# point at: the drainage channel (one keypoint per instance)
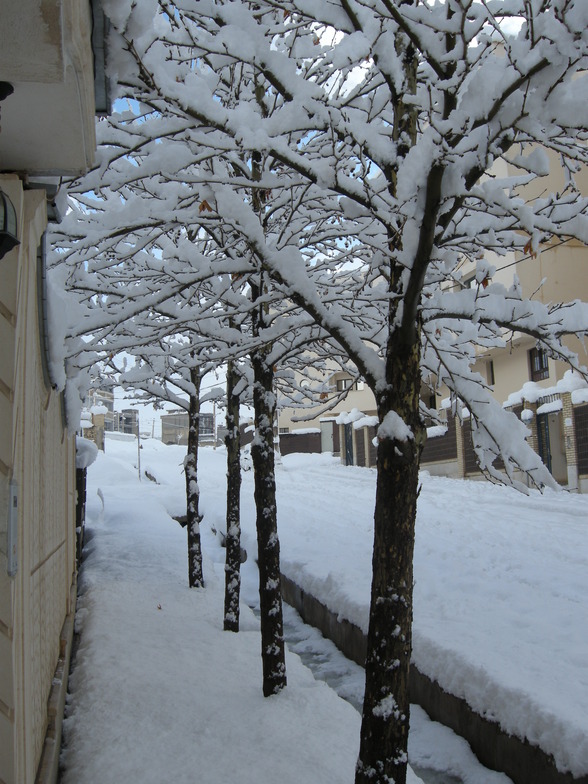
(438, 756)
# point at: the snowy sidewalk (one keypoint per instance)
(160, 692)
(164, 694)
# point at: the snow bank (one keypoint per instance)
(499, 609)
(86, 452)
(499, 584)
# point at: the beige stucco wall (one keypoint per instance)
(48, 124)
(39, 455)
(562, 267)
(362, 399)
(562, 272)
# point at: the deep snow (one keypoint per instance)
(159, 691)
(501, 581)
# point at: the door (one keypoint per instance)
(349, 444)
(557, 448)
(327, 436)
(543, 439)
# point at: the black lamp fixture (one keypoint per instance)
(8, 228)
(6, 89)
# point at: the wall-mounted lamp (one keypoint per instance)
(6, 89)
(8, 228)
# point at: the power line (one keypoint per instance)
(530, 256)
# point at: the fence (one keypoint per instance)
(558, 426)
(307, 441)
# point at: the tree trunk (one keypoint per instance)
(385, 722)
(268, 546)
(383, 751)
(195, 576)
(233, 538)
(262, 454)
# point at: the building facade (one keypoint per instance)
(47, 117)
(126, 421)
(104, 399)
(175, 426)
(538, 388)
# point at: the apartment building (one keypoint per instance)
(103, 400)
(175, 427)
(552, 401)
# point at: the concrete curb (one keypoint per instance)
(520, 760)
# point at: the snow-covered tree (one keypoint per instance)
(172, 268)
(391, 119)
(165, 367)
(164, 377)
(233, 516)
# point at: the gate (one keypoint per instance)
(581, 425)
(543, 444)
(327, 436)
(348, 444)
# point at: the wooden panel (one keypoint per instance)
(441, 448)
(336, 439)
(372, 448)
(470, 458)
(581, 427)
(360, 447)
(305, 442)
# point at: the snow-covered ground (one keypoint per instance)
(501, 580)
(160, 693)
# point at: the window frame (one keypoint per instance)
(343, 384)
(538, 364)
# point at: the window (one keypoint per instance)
(206, 427)
(349, 383)
(490, 373)
(539, 364)
(344, 383)
(284, 430)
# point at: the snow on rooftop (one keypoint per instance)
(531, 392)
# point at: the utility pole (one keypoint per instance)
(138, 449)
